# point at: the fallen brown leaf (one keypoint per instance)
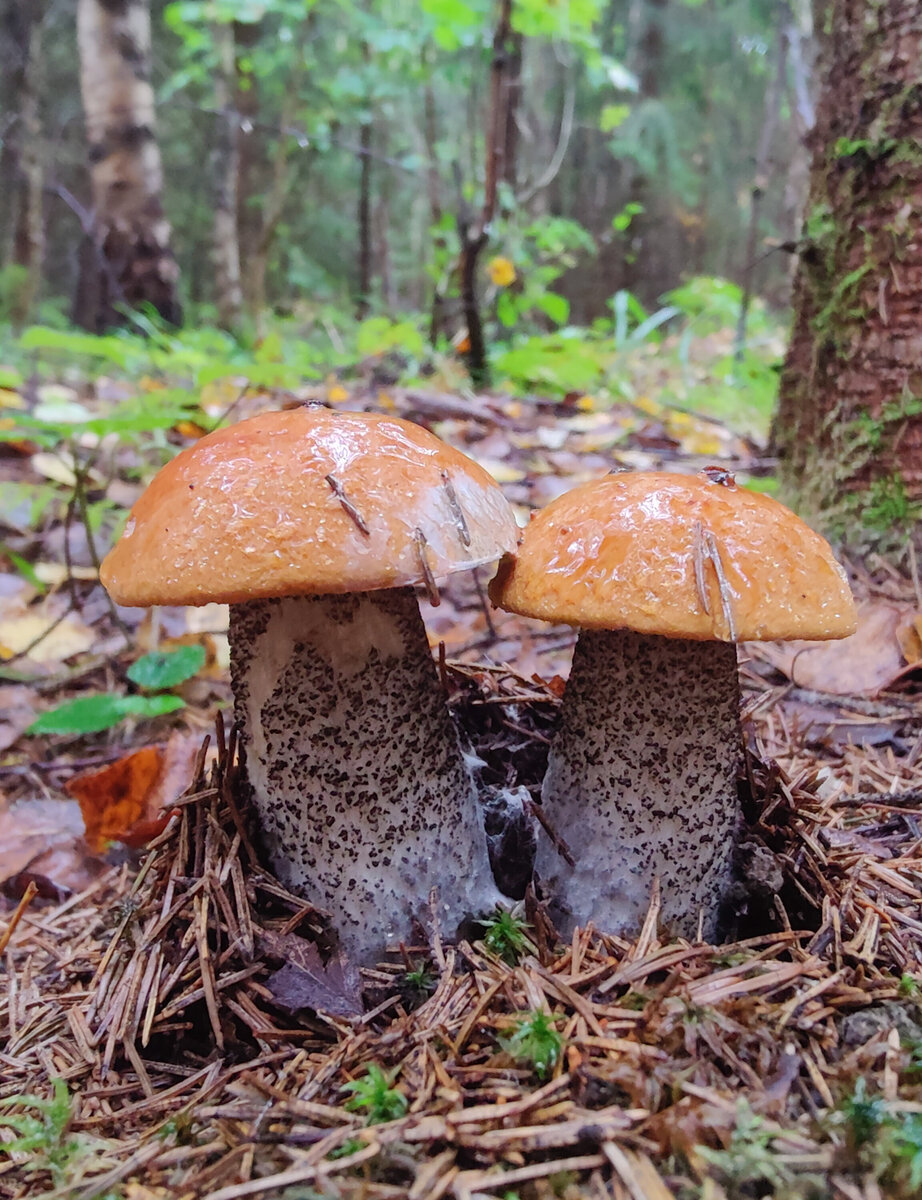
(130, 800)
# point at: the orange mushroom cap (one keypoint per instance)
(681, 556)
(307, 502)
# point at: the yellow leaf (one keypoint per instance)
(337, 394)
(501, 272)
(707, 444)
(55, 574)
(10, 399)
(501, 471)
(67, 638)
(54, 468)
(648, 405)
(586, 404)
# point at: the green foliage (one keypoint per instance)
(375, 1095)
(864, 1116)
(751, 1163)
(534, 1040)
(908, 986)
(92, 714)
(163, 669)
(556, 363)
(43, 1135)
(379, 335)
(349, 1147)
(506, 936)
(420, 979)
(884, 1141)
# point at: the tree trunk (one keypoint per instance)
(363, 217)
(132, 263)
(849, 423)
(225, 173)
(22, 29)
(505, 67)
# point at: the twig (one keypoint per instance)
(726, 596)
(454, 507)
(699, 552)
(351, 511)
(428, 578)
(27, 897)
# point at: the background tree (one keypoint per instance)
(23, 166)
(130, 262)
(849, 423)
(225, 165)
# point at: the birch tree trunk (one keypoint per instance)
(130, 262)
(849, 423)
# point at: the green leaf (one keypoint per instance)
(507, 310)
(556, 307)
(167, 668)
(40, 337)
(92, 714)
(613, 115)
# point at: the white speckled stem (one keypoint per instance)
(363, 795)
(641, 782)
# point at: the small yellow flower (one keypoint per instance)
(337, 394)
(501, 272)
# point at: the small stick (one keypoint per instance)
(428, 578)
(484, 603)
(723, 586)
(457, 513)
(699, 553)
(543, 820)
(351, 511)
(27, 898)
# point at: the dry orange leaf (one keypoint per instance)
(115, 798)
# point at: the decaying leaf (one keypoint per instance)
(858, 665)
(42, 839)
(129, 800)
(114, 798)
(305, 981)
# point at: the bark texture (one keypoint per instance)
(363, 795)
(130, 262)
(849, 423)
(641, 782)
(22, 31)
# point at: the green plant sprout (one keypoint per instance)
(45, 1138)
(155, 672)
(505, 936)
(535, 1041)
(375, 1095)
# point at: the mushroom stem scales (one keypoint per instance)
(362, 792)
(638, 782)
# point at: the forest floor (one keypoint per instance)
(169, 1028)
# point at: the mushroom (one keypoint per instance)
(315, 527)
(664, 574)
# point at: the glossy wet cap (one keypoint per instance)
(307, 502)
(680, 556)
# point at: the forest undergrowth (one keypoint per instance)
(169, 1025)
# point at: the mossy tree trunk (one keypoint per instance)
(130, 262)
(849, 423)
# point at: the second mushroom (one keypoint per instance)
(664, 574)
